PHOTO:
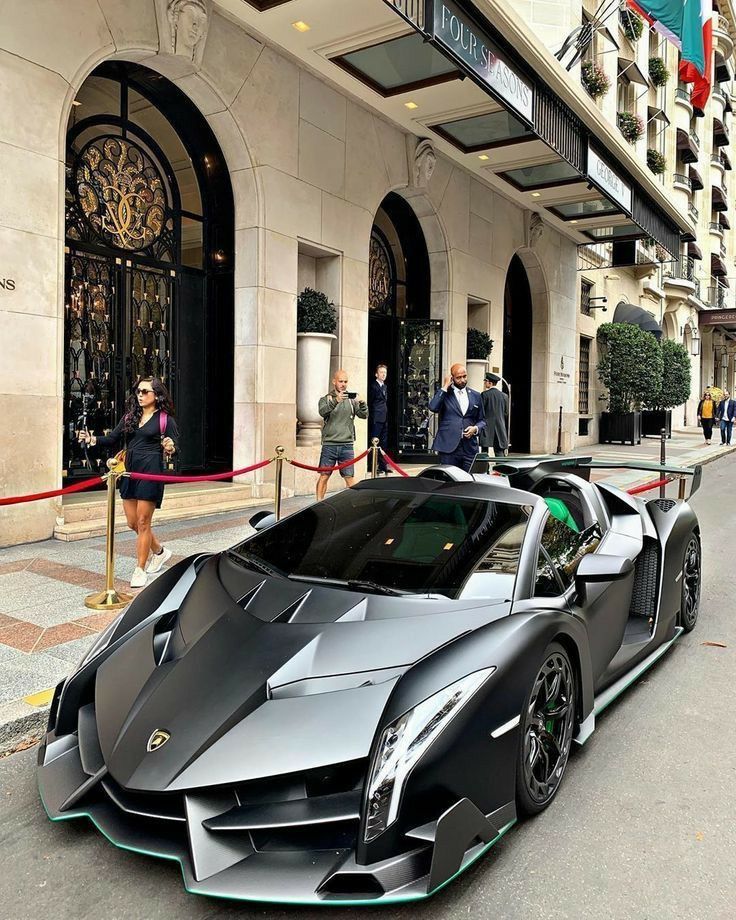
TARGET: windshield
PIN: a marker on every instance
(396, 540)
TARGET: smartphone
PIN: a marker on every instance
(350, 394)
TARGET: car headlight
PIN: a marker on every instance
(405, 741)
(99, 644)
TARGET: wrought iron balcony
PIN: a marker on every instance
(681, 179)
(695, 137)
(717, 296)
(693, 213)
(682, 94)
(715, 227)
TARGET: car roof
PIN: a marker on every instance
(486, 491)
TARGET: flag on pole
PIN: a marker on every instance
(687, 24)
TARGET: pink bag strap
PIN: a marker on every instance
(163, 421)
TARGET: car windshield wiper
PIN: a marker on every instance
(258, 564)
(363, 585)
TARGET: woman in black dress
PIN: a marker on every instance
(142, 433)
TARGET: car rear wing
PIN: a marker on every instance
(525, 472)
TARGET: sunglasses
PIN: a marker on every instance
(141, 392)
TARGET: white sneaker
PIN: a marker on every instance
(157, 560)
(139, 578)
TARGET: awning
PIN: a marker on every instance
(693, 251)
(723, 71)
(718, 266)
(687, 146)
(630, 69)
(637, 316)
(656, 114)
(720, 134)
(695, 179)
(725, 160)
(723, 221)
(718, 199)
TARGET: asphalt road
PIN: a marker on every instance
(644, 825)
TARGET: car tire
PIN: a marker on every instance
(692, 561)
(546, 729)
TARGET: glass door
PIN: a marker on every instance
(419, 363)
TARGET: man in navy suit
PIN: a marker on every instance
(461, 418)
(725, 414)
(378, 414)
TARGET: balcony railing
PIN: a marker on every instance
(684, 269)
(717, 296)
(695, 137)
(717, 160)
(682, 94)
(693, 213)
(722, 24)
(411, 10)
(679, 178)
(715, 227)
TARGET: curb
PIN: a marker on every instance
(23, 722)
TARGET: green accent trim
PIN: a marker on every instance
(656, 655)
(375, 902)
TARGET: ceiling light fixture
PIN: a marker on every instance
(301, 26)
(76, 102)
(483, 156)
(536, 194)
(411, 105)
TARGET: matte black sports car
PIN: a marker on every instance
(357, 701)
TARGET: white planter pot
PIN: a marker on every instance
(476, 372)
(313, 350)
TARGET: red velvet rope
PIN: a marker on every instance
(37, 496)
(328, 469)
(648, 486)
(154, 477)
(392, 463)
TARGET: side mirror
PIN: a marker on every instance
(595, 568)
(262, 519)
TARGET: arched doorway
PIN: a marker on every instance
(401, 334)
(149, 263)
(517, 353)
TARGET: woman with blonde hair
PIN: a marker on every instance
(706, 414)
(147, 431)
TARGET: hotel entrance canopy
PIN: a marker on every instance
(565, 157)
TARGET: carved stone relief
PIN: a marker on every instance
(533, 228)
(182, 27)
(422, 161)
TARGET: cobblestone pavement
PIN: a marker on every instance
(45, 627)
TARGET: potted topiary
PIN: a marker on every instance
(631, 126)
(673, 391)
(594, 79)
(656, 161)
(478, 347)
(316, 322)
(630, 368)
(658, 72)
(632, 25)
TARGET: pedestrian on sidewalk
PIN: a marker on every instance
(148, 434)
(495, 409)
(706, 415)
(378, 414)
(339, 409)
(461, 419)
(725, 414)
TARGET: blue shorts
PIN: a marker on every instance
(332, 454)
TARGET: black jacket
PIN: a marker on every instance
(495, 409)
(377, 402)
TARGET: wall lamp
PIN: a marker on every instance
(597, 306)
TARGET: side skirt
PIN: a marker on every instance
(604, 699)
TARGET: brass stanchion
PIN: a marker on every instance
(109, 599)
(279, 461)
(681, 488)
(374, 458)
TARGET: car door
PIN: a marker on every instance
(603, 607)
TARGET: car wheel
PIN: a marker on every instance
(691, 572)
(546, 732)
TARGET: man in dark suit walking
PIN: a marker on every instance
(378, 414)
(725, 414)
(495, 410)
(460, 411)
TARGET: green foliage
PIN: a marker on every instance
(629, 367)
(675, 386)
(479, 344)
(656, 161)
(658, 72)
(315, 313)
(594, 79)
(631, 126)
(632, 24)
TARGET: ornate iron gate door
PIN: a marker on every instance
(419, 361)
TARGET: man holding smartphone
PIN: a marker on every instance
(339, 409)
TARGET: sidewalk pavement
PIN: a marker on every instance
(45, 629)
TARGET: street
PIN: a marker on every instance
(644, 825)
